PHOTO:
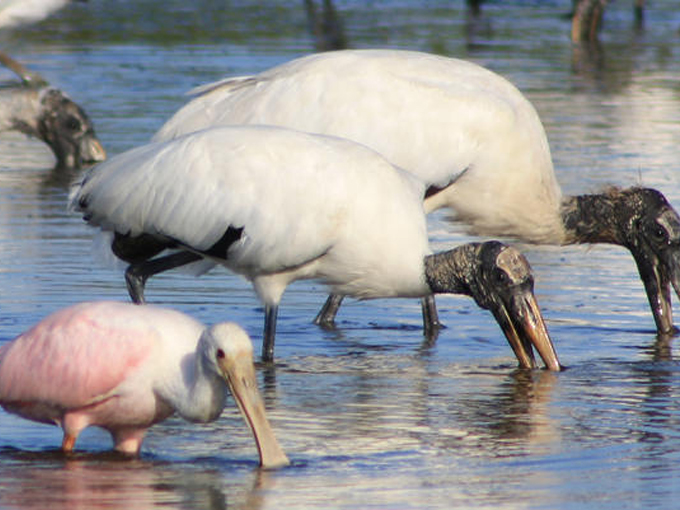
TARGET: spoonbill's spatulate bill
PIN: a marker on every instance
(124, 367)
(277, 205)
(468, 133)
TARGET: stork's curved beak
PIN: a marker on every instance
(239, 373)
(513, 304)
(658, 272)
(522, 323)
(658, 262)
(91, 150)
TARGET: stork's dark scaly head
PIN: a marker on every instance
(66, 128)
(506, 288)
(642, 220)
(499, 279)
(651, 232)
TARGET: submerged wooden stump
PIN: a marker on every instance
(586, 20)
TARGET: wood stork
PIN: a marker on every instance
(15, 13)
(277, 205)
(470, 134)
(36, 109)
(123, 368)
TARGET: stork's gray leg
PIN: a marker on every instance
(270, 315)
(326, 316)
(431, 324)
(137, 274)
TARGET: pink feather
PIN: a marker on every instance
(100, 352)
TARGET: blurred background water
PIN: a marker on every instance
(370, 416)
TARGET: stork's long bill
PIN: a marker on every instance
(658, 273)
(518, 314)
(525, 329)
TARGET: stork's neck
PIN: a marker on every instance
(453, 271)
(598, 218)
(20, 110)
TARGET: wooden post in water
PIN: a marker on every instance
(586, 19)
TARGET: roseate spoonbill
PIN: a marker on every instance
(277, 205)
(37, 109)
(124, 367)
(468, 133)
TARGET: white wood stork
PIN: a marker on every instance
(15, 13)
(35, 108)
(277, 205)
(470, 134)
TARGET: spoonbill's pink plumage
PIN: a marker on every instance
(123, 368)
(468, 133)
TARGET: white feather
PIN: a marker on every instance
(310, 206)
(442, 119)
(15, 13)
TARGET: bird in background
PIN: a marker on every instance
(277, 205)
(16, 13)
(124, 367)
(469, 134)
(35, 108)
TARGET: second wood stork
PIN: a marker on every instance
(468, 133)
(15, 13)
(35, 108)
(277, 205)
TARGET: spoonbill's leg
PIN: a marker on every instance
(68, 443)
(128, 441)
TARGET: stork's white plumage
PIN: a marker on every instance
(277, 205)
(301, 219)
(15, 13)
(441, 119)
(470, 134)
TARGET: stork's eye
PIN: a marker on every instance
(659, 233)
(501, 277)
(220, 354)
(73, 124)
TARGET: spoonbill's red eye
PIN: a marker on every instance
(220, 354)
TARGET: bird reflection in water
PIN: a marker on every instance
(102, 480)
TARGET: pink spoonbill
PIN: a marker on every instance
(468, 133)
(124, 367)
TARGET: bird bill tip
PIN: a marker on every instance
(94, 151)
(525, 331)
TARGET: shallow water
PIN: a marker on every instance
(370, 416)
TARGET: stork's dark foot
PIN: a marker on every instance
(269, 336)
(326, 316)
(137, 273)
(431, 323)
(430, 335)
(135, 281)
